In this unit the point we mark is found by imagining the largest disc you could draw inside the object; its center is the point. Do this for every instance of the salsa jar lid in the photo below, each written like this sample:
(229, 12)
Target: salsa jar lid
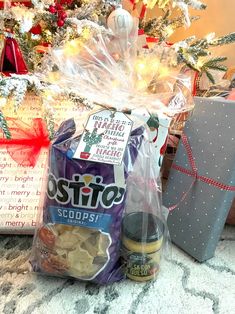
(142, 227)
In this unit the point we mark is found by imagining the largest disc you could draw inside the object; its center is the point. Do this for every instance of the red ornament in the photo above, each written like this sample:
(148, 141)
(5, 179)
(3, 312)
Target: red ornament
(36, 30)
(52, 9)
(60, 23)
(64, 2)
(58, 7)
(62, 15)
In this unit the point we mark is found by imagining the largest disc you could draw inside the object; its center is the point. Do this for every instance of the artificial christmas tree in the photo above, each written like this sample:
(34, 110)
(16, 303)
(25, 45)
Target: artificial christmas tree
(50, 23)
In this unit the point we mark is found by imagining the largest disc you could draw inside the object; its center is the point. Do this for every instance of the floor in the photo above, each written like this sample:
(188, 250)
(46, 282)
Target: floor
(183, 286)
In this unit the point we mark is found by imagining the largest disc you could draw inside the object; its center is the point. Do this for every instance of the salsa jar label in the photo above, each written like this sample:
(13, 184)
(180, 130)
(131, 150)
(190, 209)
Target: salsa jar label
(143, 266)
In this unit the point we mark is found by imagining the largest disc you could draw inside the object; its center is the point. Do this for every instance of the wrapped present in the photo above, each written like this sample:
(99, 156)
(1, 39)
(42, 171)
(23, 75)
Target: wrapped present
(201, 184)
(23, 160)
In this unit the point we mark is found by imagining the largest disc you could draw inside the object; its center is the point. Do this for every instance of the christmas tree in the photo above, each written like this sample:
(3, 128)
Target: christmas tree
(52, 22)
(42, 24)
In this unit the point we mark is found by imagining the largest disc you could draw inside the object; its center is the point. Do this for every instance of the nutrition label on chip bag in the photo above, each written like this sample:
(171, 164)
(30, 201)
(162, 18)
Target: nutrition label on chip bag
(105, 137)
(20, 187)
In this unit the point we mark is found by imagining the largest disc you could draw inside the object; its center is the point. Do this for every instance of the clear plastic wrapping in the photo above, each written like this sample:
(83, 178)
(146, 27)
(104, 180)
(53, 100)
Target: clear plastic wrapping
(103, 221)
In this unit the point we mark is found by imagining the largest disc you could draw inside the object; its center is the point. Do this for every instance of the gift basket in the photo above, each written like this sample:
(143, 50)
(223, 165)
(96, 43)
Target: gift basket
(101, 218)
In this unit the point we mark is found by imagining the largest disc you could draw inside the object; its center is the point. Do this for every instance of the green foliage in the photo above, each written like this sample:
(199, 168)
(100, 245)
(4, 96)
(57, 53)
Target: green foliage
(195, 54)
(4, 126)
(214, 64)
(50, 122)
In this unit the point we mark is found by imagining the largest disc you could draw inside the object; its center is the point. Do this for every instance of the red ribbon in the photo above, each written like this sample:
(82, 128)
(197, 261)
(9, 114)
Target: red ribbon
(143, 9)
(193, 172)
(195, 83)
(26, 141)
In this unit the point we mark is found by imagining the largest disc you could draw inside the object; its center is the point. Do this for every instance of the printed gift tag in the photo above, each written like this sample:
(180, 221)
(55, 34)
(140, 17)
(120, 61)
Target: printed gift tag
(105, 137)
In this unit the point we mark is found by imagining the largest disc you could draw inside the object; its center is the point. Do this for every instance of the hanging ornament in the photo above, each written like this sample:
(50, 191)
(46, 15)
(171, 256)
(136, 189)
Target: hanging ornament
(52, 9)
(36, 30)
(120, 22)
(63, 15)
(58, 10)
(60, 23)
(12, 60)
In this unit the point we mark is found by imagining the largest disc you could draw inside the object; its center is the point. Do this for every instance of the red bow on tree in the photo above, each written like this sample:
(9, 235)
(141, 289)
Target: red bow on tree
(26, 141)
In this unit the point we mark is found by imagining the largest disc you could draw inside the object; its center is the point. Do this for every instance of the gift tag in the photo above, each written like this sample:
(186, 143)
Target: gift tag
(105, 137)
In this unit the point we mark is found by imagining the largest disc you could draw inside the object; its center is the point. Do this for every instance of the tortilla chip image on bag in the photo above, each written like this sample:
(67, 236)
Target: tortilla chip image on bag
(82, 211)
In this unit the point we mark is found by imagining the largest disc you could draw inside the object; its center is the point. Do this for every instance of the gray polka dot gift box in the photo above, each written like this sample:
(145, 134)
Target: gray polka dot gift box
(201, 184)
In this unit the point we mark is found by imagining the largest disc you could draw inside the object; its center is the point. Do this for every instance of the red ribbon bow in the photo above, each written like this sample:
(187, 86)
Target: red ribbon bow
(193, 172)
(26, 141)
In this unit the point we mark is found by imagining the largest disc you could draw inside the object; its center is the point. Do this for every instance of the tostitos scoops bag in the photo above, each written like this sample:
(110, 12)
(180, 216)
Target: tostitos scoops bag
(102, 216)
(82, 211)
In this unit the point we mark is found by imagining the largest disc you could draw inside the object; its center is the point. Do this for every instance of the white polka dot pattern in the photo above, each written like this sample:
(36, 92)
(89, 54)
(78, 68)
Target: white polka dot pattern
(196, 224)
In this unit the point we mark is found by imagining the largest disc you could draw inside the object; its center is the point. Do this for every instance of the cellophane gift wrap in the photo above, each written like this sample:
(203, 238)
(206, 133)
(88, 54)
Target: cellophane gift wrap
(85, 230)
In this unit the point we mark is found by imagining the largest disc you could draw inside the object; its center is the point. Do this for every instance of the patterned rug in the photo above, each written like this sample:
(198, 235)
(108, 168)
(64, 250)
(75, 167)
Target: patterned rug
(183, 286)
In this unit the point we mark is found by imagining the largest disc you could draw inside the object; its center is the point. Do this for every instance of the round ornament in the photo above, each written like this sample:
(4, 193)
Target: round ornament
(63, 15)
(58, 6)
(60, 23)
(120, 22)
(52, 9)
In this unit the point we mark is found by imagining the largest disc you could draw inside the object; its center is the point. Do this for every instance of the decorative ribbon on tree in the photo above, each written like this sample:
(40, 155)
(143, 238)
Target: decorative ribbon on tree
(26, 141)
(142, 11)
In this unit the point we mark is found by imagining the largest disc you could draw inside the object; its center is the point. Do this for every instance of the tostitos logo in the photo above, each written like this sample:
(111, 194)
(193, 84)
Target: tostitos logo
(84, 191)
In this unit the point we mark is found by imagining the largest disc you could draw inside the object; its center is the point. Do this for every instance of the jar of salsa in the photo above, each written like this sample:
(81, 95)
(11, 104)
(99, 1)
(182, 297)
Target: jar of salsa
(142, 238)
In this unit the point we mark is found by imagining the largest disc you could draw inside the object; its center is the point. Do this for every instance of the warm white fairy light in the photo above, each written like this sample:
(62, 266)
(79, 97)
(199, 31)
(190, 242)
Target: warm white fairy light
(210, 37)
(3, 101)
(169, 30)
(150, 4)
